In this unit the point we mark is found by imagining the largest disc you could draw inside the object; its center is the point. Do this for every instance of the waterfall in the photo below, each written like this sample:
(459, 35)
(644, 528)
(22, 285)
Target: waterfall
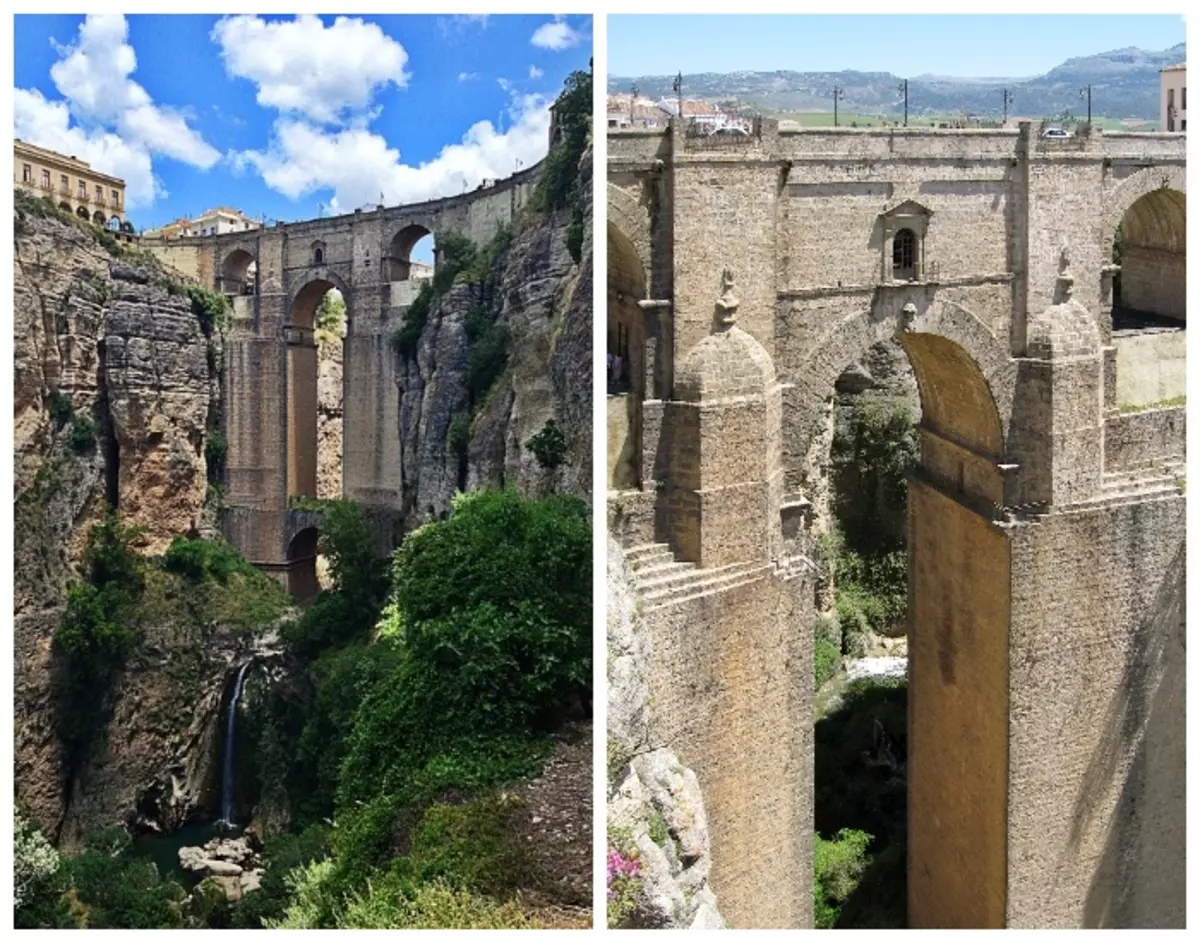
(227, 780)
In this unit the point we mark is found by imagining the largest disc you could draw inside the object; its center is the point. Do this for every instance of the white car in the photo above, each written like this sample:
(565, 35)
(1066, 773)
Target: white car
(1058, 133)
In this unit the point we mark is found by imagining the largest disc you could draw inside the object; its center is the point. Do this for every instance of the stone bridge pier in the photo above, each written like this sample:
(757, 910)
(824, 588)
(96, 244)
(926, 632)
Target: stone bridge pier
(1045, 520)
(275, 279)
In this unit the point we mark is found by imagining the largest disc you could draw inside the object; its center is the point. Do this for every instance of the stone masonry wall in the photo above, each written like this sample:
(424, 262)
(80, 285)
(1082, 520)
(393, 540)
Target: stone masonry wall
(1096, 829)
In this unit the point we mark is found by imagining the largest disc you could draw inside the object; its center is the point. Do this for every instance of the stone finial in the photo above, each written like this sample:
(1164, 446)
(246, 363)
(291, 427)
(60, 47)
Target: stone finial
(1066, 281)
(727, 304)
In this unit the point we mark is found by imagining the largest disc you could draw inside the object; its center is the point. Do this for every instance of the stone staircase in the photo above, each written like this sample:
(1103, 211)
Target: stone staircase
(1134, 485)
(661, 580)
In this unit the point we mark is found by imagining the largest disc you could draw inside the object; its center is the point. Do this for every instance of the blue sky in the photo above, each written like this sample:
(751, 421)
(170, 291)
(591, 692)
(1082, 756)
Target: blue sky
(1013, 46)
(289, 117)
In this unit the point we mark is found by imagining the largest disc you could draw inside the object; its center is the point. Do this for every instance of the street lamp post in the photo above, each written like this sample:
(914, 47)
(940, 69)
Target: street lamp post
(632, 102)
(1008, 100)
(837, 93)
(679, 92)
(904, 92)
(1088, 93)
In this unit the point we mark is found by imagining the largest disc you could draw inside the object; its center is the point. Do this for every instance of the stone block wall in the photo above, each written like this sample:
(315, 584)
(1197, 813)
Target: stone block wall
(1151, 366)
(957, 714)
(1137, 439)
(730, 685)
(1096, 826)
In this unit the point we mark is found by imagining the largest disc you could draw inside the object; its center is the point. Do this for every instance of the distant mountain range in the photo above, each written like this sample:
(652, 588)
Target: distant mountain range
(1125, 84)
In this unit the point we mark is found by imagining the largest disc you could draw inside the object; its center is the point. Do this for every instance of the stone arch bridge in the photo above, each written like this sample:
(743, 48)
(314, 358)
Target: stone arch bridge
(1045, 520)
(275, 278)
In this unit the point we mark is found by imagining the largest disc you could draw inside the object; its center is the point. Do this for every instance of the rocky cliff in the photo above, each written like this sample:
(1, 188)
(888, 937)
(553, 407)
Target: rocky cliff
(541, 299)
(115, 387)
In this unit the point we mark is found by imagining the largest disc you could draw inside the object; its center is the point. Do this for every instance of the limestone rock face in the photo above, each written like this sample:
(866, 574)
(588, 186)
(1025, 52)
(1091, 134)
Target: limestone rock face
(655, 808)
(106, 338)
(329, 414)
(543, 300)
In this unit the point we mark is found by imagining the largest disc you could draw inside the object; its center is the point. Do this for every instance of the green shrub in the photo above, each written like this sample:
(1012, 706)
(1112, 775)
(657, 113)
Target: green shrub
(575, 235)
(434, 906)
(826, 658)
(406, 338)
(486, 359)
(216, 450)
(331, 312)
(210, 308)
(83, 433)
(96, 633)
(838, 867)
(61, 411)
(458, 436)
(197, 560)
(549, 445)
(558, 185)
(470, 846)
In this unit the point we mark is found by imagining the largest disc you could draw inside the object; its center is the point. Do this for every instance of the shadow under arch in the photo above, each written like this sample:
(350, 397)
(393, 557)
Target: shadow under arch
(302, 565)
(625, 361)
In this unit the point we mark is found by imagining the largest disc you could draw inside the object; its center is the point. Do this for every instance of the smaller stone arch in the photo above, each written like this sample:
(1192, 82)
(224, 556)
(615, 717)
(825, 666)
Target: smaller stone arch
(64, 205)
(237, 274)
(307, 293)
(127, 226)
(302, 581)
(398, 260)
(1119, 200)
(82, 212)
(632, 221)
(98, 218)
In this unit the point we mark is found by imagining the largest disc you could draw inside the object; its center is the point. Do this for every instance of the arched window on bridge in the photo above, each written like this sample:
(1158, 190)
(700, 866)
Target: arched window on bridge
(903, 230)
(318, 253)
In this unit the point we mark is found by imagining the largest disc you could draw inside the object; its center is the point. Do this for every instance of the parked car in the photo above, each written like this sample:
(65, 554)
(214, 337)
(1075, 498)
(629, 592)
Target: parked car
(1058, 133)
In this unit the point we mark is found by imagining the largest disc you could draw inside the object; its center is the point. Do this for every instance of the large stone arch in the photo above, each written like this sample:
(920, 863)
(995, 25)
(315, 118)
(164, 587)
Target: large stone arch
(851, 338)
(307, 291)
(633, 221)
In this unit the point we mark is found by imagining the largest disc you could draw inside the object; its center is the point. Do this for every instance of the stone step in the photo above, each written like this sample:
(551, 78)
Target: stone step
(713, 588)
(638, 556)
(699, 582)
(690, 574)
(652, 571)
(1121, 498)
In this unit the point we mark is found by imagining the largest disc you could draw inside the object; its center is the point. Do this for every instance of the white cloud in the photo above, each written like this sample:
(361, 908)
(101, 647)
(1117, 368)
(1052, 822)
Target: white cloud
(467, 76)
(504, 83)
(358, 164)
(117, 125)
(535, 72)
(302, 66)
(556, 35)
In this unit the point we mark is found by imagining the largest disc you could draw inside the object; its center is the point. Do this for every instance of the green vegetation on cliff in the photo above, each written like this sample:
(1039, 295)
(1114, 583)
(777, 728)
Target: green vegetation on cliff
(410, 720)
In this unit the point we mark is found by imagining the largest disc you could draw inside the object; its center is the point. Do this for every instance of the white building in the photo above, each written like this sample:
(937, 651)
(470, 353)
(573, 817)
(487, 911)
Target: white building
(1173, 98)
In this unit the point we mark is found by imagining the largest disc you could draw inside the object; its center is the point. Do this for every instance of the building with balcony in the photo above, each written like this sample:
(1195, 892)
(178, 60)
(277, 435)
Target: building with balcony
(72, 183)
(1173, 98)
